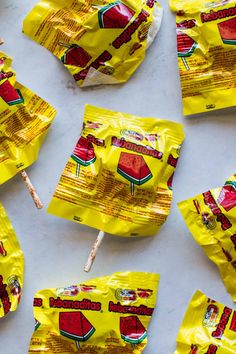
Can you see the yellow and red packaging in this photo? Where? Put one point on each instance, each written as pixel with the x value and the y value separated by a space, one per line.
pixel 206 46
pixel 211 218
pixel 100 42
pixel 105 315
pixel 119 176
pixel 209 327
pixel 24 121
pixel 11 266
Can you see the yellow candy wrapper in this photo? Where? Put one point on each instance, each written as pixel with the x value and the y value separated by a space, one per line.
pixel 206 42
pixel 209 327
pixel 11 266
pixel 107 315
pixel 211 218
pixel 101 42
pixel 24 121
pixel 119 176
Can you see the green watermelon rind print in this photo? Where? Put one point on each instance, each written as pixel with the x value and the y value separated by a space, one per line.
pixel 78 338
pixel 231 183
pixel 82 162
pixel 103 10
pixel 37 325
pixel 135 180
pixel 18 100
pixel 229 41
pixel 134 341
pixel 189 52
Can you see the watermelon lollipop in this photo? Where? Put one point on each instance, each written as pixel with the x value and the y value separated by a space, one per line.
pixel 83 154
pixel 227 31
pixel 115 15
pixel 134 169
pixel 75 55
pixel 75 326
pixel 186 46
pixel 9 94
pixel 227 197
pixel 132 330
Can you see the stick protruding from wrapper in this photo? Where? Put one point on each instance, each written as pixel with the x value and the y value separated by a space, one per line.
pixel 94 251
pixel 31 189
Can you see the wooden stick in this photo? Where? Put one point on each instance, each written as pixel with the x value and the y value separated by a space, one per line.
pixel 31 189
pixel 94 251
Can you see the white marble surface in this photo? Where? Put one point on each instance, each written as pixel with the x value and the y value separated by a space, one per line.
pixel 55 249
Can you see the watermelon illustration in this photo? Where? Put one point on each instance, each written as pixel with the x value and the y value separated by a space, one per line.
pixel 37 324
pixel 75 56
pixel 186 46
pixel 132 330
pixel 227 197
pixel 170 182
pixel 115 15
pixel 9 94
pixel 134 169
pixel 227 31
pixel 83 154
pixel 75 326
pixel 3 252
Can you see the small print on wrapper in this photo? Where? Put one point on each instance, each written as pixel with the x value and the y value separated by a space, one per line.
pixel 206 46
pixel 24 121
pixel 119 176
pixel 106 315
pixel 11 266
pixel 209 327
pixel 211 218
pixel 99 43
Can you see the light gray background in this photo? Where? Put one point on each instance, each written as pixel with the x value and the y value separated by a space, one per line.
pixel 56 249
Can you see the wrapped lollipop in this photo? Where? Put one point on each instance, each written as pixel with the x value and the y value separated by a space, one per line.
pixel 11 266
pixel 211 218
pixel 99 43
pixel 126 165
pixel 24 121
pixel 110 317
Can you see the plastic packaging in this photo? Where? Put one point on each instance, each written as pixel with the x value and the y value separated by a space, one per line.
pixel 211 218
pixel 208 328
pixel 24 121
pixel 119 176
pixel 206 42
pixel 11 266
pixel 102 42
pixel 107 315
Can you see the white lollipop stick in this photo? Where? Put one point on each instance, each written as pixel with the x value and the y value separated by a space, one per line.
pixel 94 251
pixel 185 63
pixel 31 189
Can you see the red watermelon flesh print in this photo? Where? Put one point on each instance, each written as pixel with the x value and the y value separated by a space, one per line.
pixel 227 31
pixel 83 153
pixel 75 326
pixel 132 330
pixel 9 94
pixel 76 56
pixel 134 168
pixel 115 15
pixel 227 197
pixel 185 46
